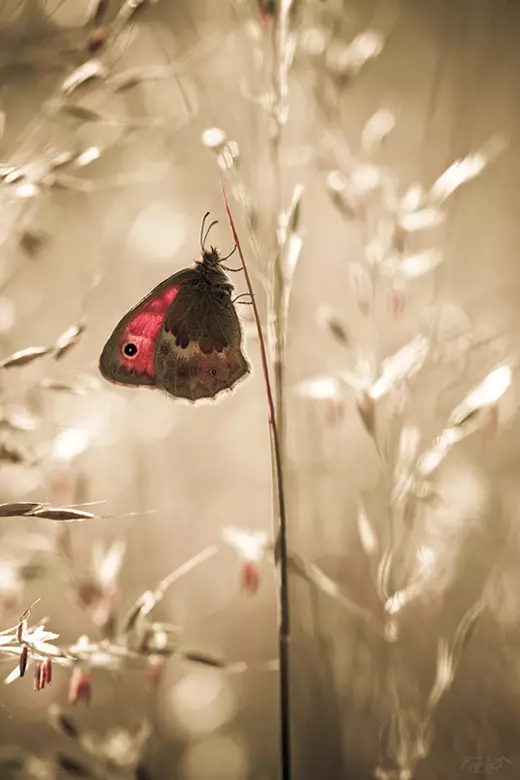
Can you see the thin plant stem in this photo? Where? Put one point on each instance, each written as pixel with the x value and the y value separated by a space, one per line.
pixel 281 541
pixel 277 302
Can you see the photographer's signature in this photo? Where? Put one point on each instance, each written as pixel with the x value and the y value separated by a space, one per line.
pixel 480 765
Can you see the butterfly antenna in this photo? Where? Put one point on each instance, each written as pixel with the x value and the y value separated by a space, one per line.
pixel 204 218
pixel 203 241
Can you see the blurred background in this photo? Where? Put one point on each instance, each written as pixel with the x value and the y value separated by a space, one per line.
pixel 118 121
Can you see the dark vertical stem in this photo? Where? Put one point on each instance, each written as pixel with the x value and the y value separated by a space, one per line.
pixel 276 306
pixel 281 540
pixel 279 91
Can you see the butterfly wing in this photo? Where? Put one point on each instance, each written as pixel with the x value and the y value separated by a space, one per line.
pixel 128 356
pixel 199 348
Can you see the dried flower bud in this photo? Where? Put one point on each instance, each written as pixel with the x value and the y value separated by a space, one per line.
pixel 21 629
pixel 400 238
pixel 204 658
pixel 80 688
pixel 366 412
pixel 31 241
pixel 250 577
pixel 267 9
pixel 142 773
pixel 72 766
pixel 396 304
pixel 89 593
pixel 24 658
pixel 39 676
pixel 362 287
pixel 63 722
pixel 47 671
pixel 96 39
pixel 155 674
pixel 328 318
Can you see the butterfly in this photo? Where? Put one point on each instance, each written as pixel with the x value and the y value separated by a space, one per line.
pixel 184 337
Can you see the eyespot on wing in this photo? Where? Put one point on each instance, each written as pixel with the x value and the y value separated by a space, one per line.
pixel 128 356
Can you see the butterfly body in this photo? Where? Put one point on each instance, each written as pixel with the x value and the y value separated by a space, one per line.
pixel 183 337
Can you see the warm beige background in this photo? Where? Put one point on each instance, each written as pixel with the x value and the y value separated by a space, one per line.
pixel 450 74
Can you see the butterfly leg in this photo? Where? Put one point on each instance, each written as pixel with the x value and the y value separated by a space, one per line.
pixel 223 259
pixel 242 295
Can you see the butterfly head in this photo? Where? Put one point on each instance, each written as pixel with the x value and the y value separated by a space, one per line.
pixel 211 261
pixel 210 257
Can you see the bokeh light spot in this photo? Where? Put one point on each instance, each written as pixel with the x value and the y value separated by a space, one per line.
pixel 202 701
pixel 70 443
pixel 214 759
pixel 159 232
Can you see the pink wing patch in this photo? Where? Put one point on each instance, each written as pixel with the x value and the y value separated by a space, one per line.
pixel 143 330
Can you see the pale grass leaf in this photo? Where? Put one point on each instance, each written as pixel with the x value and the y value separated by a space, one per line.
pixel 367 534
pixel 464 170
pixel 27 190
pixel 444 675
pixel 430 460
pixel 289 220
pixel 12 676
pixel 458 173
pixel 134 76
pixel 25 356
pixel 63 514
pixel 488 392
pixel 360 282
pixel 291 255
pixel 19 508
pixel 320 388
pixel 407 450
pixel 365 178
pixel 108 562
pixel 424 219
pixel 250 545
pixel 364 47
pixel 412 198
pixel 376 129
pixel 415 266
pixel 81 113
pixel 404 364
pixel 89 70
pixel 88 156
pixel 67 340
